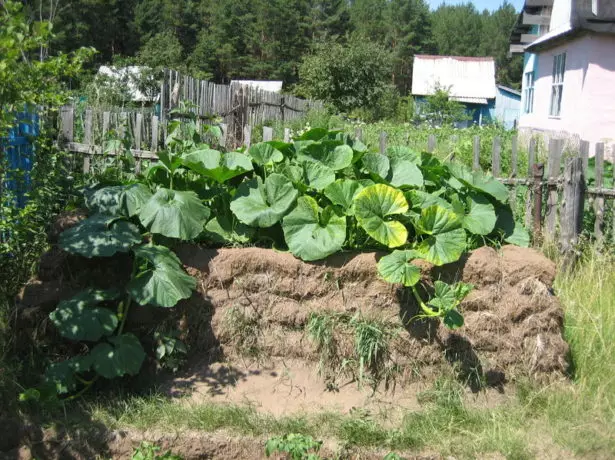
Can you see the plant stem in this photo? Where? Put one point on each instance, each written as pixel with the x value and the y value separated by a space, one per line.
pixel 125 304
pixel 428 311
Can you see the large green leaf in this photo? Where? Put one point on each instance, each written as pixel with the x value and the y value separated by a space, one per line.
pixel 311 232
pixel 314 134
pixel 397 268
pixel 62 375
pixel 330 154
pixel 374 207
pixel 133 197
pixel 100 236
pixel 436 219
pixel 513 232
pixel 264 204
pixel 122 355
pixel 104 200
pixel 420 200
pixel 444 248
pixel 342 193
pixel 161 282
pixel 404 173
pixel 317 175
pixel 265 154
pixel 225 229
pixel 376 164
pixel 217 166
pixel 404 153
pixel 80 319
pixel 481 217
pixel 174 214
pixel 519 237
pixel 480 181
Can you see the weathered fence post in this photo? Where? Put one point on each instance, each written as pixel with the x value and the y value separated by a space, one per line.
pixel 223 134
pixel 530 174
pixel 87 139
pixel 555 166
pixel 454 140
pixel 476 154
pixel 431 143
pixel 584 152
pixel 538 172
pixel 358 134
pixel 247 135
pixel 267 134
pixel 154 133
pixel 571 215
pixel 383 142
pixel 67 120
pixel 287 135
pixel 599 200
pixel 496 157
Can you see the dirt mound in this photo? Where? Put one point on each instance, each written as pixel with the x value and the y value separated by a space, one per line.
pixel 513 320
pixel 257 303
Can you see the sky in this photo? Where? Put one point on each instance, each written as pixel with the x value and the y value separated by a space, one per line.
pixel 480 4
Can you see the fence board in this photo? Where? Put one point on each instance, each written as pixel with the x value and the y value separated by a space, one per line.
pixel 476 153
pixel 267 134
pixel 599 199
pixel 87 139
pixel 571 213
pixel 383 142
pixel 431 143
pixel 554 168
pixel 496 157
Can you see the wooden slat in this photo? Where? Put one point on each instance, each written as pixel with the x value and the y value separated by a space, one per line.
pixel 476 153
pixel 555 160
pixel 496 157
pixel 358 133
pixel 286 134
pixel 431 143
pixel 267 134
pixel 383 142
pixel 513 157
pixel 599 200
pixel 584 152
pixel 155 133
pixel 67 120
pixel 528 195
pixel 87 139
pixel 571 220
pixel 223 136
pixel 247 135
pixel 105 126
pixel 138 130
pixel 454 140
pixel 98 150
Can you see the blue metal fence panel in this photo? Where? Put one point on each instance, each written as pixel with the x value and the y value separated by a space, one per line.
pixel 18 149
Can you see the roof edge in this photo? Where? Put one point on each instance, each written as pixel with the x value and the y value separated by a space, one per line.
pixel 456 58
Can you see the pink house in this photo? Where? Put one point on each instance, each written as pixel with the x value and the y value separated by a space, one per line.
pixel 569 73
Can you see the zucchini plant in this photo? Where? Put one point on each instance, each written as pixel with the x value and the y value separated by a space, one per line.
pixel 322 193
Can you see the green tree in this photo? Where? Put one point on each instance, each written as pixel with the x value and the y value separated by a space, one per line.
pixel 347 76
pixel 369 19
pixel 329 18
pixel 409 34
pixel 495 42
pixel 162 50
pixel 457 30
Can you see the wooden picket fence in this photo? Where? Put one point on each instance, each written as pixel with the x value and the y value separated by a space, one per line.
pixel 555 197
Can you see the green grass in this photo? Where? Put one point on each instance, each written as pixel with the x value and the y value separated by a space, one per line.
pixel 556 420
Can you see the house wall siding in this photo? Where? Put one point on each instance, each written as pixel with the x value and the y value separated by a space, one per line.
pixel 507 108
pixel 587 111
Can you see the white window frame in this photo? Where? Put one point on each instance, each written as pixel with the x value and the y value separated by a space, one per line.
pixel 529 92
pixel 557 85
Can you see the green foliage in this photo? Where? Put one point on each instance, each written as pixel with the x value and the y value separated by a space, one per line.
pixel 347 76
pixel 149 451
pixel 440 110
pixel 296 446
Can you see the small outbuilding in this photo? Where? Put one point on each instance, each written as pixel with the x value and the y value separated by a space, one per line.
pixel 470 81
